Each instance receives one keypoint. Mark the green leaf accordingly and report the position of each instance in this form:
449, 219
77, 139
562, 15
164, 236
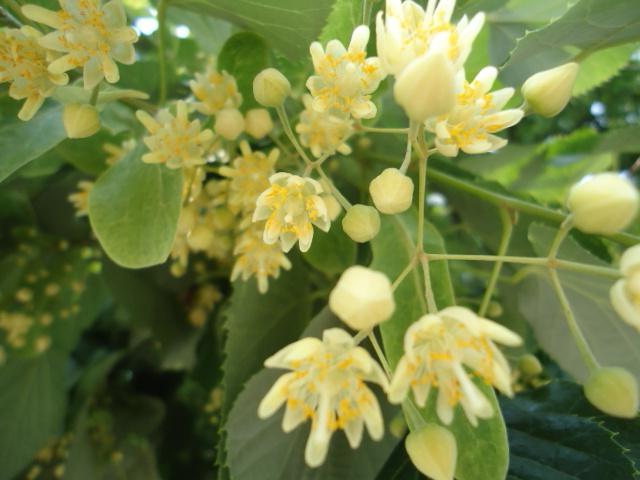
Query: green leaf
612, 341
244, 55
588, 26
345, 16
482, 451
134, 209
288, 25
260, 449
32, 402
621, 140
556, 435
601, 66
332, 252
259, 325
21, 142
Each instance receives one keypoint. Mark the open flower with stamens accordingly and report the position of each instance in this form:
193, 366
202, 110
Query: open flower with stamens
23, 63
174, 140
249, 176
326, 385
93, 36
257, 259
291, 206
437, 348
323, 132
408, 32
80, 199
477, 115
345, 78
215, 90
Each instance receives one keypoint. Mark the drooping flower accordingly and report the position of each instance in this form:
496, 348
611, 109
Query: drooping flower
477, 115
323, 132
80, 199
408, 32
345, 78
174, 140
256, 258
291, 206
249, 176
437, 348
215, 90
91, 36
326, 385
24, 64
625, 293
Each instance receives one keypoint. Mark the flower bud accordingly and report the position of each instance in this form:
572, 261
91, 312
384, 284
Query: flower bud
603, 203
625, 293
200, 238
362, 298
80, 121
271, 88
333, 206
433, 451
391, 191
614, 391
361, 223
529, 365
257, 123
425, 88
549, 91
229, 123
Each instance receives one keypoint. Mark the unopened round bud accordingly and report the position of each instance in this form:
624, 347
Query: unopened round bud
426, 87
529, 365
361, 223
333, 206
433, 451
229, 123
200, 238
362, 298
549, 91
271, 88
603, 203
258, 123
80, 121
391, 191
625, 299
614, 391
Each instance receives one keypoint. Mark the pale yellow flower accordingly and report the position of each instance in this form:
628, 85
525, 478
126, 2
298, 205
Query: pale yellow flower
215, 90
174, 140
291, 206
256, 258
477, 115
625, 293
93, 36
249, 176
437, 348
24, 64
16, 326
80, 199
345, 78
323, 132
409, 31
326, 385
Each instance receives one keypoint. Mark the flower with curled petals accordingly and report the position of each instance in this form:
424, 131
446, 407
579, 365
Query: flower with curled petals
91, 35
345, 78
323, 132
174, 140
327, 385
437, 348
406, 32
23, 63
215, 90
477, 115
291, 206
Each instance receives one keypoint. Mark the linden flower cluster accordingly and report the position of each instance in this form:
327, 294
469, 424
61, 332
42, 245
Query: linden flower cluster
24, 64
91, 36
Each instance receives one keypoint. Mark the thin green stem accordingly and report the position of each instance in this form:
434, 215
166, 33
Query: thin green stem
17, 10
401, 131
334, 191
505, 240
422, 188
581, 342
162, 61
380, 353
361, 335
284, 120
94, 94
564, 230
432, 307
410, 266
412, 415
367, 5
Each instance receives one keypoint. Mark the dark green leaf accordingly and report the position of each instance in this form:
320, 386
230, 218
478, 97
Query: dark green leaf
332, 252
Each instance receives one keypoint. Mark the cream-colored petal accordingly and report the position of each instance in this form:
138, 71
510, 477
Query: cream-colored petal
275, 397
